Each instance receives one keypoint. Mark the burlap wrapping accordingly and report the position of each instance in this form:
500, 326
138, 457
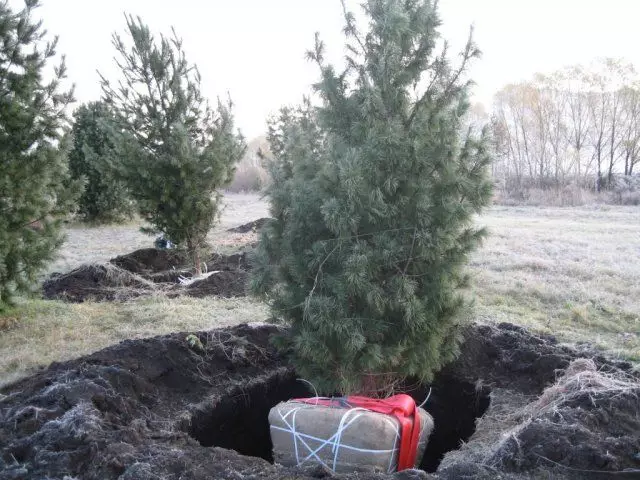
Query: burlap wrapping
340, 439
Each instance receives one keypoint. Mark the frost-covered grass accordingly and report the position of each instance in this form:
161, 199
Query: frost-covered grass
572, 272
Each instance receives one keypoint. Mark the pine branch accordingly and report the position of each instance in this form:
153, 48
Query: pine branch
413, 242
469, 52
350, 28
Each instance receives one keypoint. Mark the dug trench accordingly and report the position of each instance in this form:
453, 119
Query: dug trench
156, 408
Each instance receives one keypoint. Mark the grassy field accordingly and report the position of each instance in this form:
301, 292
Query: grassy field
572, 272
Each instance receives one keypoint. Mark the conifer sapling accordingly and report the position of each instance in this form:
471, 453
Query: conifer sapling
175, 151
373, 197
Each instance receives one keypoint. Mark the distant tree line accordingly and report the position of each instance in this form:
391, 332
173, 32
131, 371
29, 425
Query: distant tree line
579, 125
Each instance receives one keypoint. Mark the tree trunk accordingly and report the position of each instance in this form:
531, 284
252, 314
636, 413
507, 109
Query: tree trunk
626, 163
610, 172
194, 253
196, 261
609, 176
599, 174
612, 150
541, 172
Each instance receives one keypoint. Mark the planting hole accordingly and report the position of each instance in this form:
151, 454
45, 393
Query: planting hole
238, 421
455, 405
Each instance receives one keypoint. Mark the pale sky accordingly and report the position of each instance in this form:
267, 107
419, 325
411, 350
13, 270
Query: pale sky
254, 49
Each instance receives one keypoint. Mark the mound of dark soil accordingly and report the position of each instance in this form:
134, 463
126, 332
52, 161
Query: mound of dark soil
538, 424
235, 261
154, 264
124, 277
150, 260
155, 408
254, 226
586, 432
95, 282
225, 283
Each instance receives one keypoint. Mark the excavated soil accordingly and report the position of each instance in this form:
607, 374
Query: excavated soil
95, 282
150, 260
146, 271
225, 283
155, 408
253, 226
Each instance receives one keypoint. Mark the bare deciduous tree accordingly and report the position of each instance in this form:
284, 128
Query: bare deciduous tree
569, 126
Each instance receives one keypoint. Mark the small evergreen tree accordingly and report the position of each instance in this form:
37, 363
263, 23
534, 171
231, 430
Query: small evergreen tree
175, 151
35, 190
372, 199
104, 198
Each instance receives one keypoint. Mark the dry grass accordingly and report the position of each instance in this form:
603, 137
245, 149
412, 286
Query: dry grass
572, 272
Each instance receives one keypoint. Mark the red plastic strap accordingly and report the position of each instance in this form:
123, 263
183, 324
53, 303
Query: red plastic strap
401, 406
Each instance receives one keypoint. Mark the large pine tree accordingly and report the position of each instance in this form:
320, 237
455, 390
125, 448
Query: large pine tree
35, 190
175, 151
373, 198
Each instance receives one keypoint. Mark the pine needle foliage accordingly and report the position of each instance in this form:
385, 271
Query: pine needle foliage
373, 197
35, 190
175, 150
105, 198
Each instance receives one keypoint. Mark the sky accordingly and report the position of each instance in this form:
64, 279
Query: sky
254, 49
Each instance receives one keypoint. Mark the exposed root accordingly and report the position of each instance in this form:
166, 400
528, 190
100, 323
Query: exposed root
582, 376
189, 281
121, 278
